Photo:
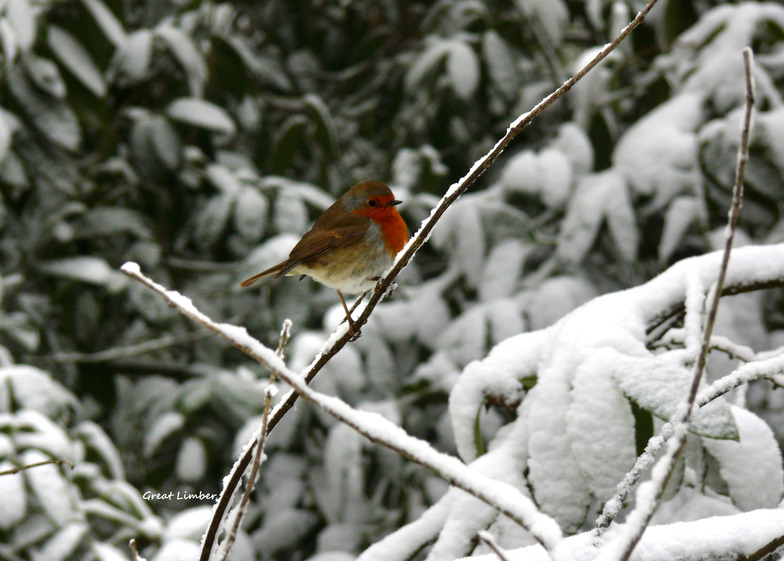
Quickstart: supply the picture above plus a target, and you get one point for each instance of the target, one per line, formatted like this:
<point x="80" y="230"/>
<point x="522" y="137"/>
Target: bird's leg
<point x="348" y="313"/>
<point x="359" y="301"/>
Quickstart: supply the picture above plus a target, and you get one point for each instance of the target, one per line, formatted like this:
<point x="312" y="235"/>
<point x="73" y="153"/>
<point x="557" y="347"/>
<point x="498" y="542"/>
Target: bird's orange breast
<point x="394" y="231"/>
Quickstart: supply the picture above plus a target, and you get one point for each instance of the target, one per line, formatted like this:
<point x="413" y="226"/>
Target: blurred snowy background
<point x="201" y="139"/>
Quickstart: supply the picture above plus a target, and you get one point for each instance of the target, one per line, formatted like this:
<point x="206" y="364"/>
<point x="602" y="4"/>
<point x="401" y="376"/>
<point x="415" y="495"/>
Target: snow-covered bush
<point x="53" y="510"/>
<point x="200" y="140"/>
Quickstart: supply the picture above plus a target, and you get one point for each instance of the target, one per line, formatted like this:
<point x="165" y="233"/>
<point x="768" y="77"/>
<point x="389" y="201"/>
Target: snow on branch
<point x="649" y="495"/>
<point x="768" y="368"/>
<point x="501" y="496"/>
<point x="750" y="535"/>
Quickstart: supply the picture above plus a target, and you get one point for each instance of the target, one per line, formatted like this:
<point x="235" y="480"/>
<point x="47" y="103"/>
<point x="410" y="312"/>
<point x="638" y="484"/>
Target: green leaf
<point x="425" y="64"/>
<point x="100" y="447"/>
<point x="212" y="220"/>
<point x="52" y="117"/>
<point x="155" y="147"/>
<point x="479" y="442"/>
<point x="19" y="327"/>
<point x="9" y="41"/>
<point x="500" y="65"/>
<point x="594" y="198"/>
<point x="112" y="221"/>
<point x="291" y="139"/>
<point x="20" y="16"/>
<point x="63" y="544"/>
<point x="201" y="113"/>
<point x="643" y="426"/>
<point x="552" y="15"/>
<point x="12" y="172"/>
<point x="290" y="214"/>
<point x="44" y="74"/>
<point x="250" y="214"/>
<point x="76" y="59"/>
<point x="751" y="466"/>
<point x="131" y="62"/>
<point x="223" y="178"/>
<point x="462" y="67"/>
<point x="8" y="125"/>
<point x="622" y="222"/>
<point x="192" y="460"/>
<point x="13" y="507"/>
<point x="326" y="133"/>
<point x="681" y="214"/>
<point x="470" y="237"/>
<point x="186" y="53"/>
<point x="162" y="428"/>
<point x="107" y="21"/>
<point x="659" y="386"/>
<point x="50" y="487"/>
<point x="92" y="270"/>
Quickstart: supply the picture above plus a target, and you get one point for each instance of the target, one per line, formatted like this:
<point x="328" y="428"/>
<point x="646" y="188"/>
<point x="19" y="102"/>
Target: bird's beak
<point x="394" y="202"/>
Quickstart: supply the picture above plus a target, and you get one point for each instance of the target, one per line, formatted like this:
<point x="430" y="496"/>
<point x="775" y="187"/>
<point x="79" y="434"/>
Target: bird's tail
<point x="272" y="270"/>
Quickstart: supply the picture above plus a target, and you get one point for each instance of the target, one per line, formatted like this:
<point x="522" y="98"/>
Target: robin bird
<point x="350" y="245"/>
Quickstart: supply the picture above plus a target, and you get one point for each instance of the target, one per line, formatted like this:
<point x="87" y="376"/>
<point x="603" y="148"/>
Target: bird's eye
<point x="372" y="203"/>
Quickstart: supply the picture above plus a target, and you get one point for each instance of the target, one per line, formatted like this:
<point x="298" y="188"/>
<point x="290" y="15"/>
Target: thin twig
<point x="489" y="541"/>
<point x="732" y="223"/>
<point x="658" y="323"/>
<point x="124" y="352"/>
<point x="255" y="468"/>
<point x="718" y="343"/>
<point x="58" y="461"/>
<point x="285" y="336"/>
<point x="641" y="516"/>
<point x="134" y="551"/>
<point x="765" y="551"/>
<point x="258" y="446"/>
<point x="412" y="247"/>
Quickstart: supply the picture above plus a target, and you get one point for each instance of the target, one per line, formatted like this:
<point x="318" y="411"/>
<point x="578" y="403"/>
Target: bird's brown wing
<point x="335" y="228"/>
<point x="317" y="243"/>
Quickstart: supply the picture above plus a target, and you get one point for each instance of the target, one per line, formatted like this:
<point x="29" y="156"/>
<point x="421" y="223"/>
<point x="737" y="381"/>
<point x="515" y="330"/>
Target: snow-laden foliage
<point x="595" y="380"/>
<point x="201" y="140"/>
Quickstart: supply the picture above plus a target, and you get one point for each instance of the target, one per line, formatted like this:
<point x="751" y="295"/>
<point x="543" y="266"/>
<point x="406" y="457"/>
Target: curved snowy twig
<point x="506" y="498"/>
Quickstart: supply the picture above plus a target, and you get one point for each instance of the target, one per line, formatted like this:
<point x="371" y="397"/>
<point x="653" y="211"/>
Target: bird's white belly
<point x="351" y="270"/>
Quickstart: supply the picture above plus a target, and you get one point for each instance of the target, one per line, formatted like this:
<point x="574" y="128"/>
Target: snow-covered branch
<point x="749" y="535"/>
<point x="504" y="497"/>
<point x="575" y="432"/>
<point x="767" y="368"/>
<point x="649" y="495"/>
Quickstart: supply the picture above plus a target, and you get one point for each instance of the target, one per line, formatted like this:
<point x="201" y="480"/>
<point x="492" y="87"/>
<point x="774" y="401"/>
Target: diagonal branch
<point x="341" y="337"/>
<point x="452" y="194"/>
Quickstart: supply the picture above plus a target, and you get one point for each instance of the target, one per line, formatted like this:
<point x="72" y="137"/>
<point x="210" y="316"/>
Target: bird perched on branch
<point x="350" y="245"/>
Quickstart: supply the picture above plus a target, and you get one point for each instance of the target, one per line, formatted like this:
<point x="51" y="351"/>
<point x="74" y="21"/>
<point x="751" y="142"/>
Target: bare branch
<point x="258" y="455"/>
<point x="124" y="352"/>
<point x="57" y="461"/>
<point x="452" y="194"/>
